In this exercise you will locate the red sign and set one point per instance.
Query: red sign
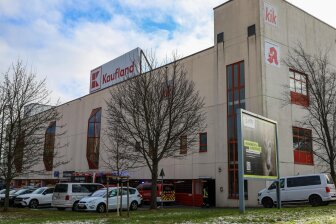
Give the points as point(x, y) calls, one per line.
point(272, 54)
point(95, 79)
point(270, 14)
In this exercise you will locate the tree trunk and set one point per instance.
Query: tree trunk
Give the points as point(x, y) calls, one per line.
point(153, 204)
point(6, 204)
point(332, 170)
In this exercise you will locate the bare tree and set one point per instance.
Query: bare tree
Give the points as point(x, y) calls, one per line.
point(119, 157)
point(25, 116)
point(321, 88)
point(155, 113)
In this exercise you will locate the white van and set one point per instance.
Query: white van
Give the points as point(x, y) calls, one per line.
point(317, 189)
point(67, 195)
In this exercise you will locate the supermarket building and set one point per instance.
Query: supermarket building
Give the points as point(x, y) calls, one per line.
point(244, 69)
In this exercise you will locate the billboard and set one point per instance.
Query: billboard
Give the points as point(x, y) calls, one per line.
point(115, 71)
point(258, 140)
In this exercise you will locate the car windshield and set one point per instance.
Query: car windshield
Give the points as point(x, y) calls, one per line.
point(2, 191)
point(21, 191)
point(39, 191)
point(11, 191)
point(100, 193)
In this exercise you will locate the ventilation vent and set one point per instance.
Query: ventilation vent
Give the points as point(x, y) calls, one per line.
point(220, 37)
point(251, 30)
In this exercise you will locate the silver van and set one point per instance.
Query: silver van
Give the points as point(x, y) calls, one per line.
point(316, 189)
point(67, 195)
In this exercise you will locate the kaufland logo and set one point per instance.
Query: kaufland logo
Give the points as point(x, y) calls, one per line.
point(95, 79)
point(270, 14)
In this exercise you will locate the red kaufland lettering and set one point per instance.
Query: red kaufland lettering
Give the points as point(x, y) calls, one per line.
point(118, 73)
point(270, 16)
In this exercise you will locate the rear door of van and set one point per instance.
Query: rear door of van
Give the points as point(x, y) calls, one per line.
point(331, 185)
point(59, 195)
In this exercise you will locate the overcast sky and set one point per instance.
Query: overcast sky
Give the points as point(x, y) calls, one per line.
point(63, 40)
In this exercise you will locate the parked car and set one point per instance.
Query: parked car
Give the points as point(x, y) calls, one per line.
point(67, 195)
point(97, 201)
point(317, 189)
point(14, 195)
point(40, 197)
point(3, 194)
point(165, 192)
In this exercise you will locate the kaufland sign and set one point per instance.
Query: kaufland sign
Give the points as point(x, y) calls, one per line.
point(115, 71)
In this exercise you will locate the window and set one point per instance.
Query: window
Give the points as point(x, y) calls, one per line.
point(61, 188)
point(303, 181)
point(93, 139)
point(183, 144)
point(49, 145)
point(167, 88)
point(329, 179)
point(298, 88)
point(184, 186)
point(303, 146)
point(49, 191)
point(113, 193)
point(273, 185)
point(131, 191)
point(235, 100)
point(203, 145)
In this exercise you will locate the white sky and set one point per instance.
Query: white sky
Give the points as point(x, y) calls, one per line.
point(63, 40)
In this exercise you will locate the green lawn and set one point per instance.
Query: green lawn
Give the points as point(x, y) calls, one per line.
point(302, 214)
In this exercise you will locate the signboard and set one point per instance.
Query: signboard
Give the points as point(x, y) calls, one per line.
point(257, 151)
point(270, 14)
point(259, 145)
point(67, 174)
point(272, 54)
point(115, 71)
point(56, 173)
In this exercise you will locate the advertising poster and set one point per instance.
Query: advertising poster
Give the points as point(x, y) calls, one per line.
point(259, 141)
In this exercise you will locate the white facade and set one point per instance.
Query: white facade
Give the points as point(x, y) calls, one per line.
point(278, 26)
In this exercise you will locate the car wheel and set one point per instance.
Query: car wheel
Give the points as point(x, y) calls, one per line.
point(75, 206)
point(60, 209)
point(315, 200)
point(134, 205)
point(33, 204)
point(267, 202)
point(101, 208)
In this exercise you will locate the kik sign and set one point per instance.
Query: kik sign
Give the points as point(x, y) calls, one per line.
point(115, 71)
point(272, 54)
point(270, 14)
